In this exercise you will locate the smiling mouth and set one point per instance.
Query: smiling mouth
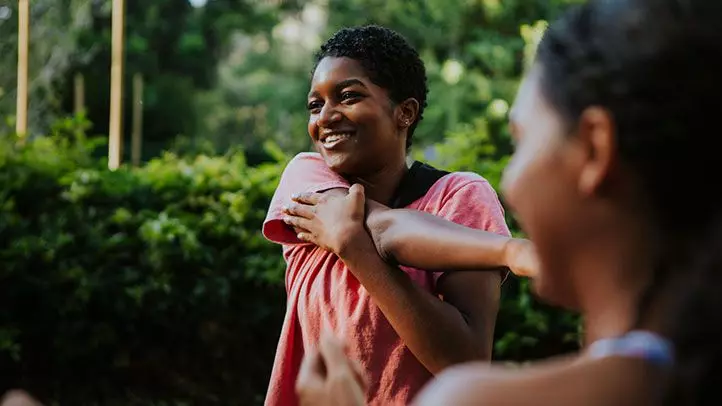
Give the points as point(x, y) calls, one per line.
point(334, 140)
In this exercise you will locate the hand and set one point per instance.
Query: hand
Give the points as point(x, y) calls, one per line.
point(521, 257)
point(329, 220)
point(329, 378)
point(18, 398)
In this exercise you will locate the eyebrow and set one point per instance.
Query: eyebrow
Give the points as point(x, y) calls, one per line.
point(341, 85)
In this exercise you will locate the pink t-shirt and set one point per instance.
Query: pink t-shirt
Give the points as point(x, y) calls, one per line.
point(323, 293)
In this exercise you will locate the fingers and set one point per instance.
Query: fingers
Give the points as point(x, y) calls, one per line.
point(312, 374)
point(513, 256)
point(360, 374)
point(299, 210)
point(356, 192)
point(307, 198)
point(298, 223)
point(345, 377)
point(300, 226)
point(332, 350)
point(342, 369)
point(328, 377)
point(357, 198)
point(529, 262)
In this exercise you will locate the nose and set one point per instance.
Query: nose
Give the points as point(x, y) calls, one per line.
point(328, 116)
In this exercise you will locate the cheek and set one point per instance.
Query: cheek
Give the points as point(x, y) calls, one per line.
point(374, 121)
point(535, 186)
point(312, 127)
point(379, 135)
point(535, 189)
point(518, 180)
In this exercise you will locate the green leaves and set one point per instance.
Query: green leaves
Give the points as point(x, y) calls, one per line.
point(130, 266)
point(9, 343)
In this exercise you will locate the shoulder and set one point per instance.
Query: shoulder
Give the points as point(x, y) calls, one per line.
point(459, 190)
point(308, 171)
point(455, 182)
point(609, 381)
point(465, 198)
point(312, 159)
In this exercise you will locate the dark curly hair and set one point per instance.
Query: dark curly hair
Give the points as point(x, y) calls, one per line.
point(656, 66)
point(388, 59)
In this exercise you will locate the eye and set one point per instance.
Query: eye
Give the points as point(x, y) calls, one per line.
point(350, 96)
point(314, 106)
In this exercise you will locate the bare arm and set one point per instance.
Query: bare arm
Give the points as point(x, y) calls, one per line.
point(425, 241)
point(436, 331)
point(615, 381)
point(467, 315)
point(476, 296)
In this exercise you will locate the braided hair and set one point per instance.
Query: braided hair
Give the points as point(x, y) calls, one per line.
point(656, 67)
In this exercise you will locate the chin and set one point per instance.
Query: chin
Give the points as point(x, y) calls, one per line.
point(341, 163)
point(551, 293)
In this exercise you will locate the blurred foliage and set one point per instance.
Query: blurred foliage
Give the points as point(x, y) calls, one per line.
point(56, 26)
point(155, 283)
point(150, 283)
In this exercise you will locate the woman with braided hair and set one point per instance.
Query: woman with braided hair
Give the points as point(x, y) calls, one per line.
point(618, 111)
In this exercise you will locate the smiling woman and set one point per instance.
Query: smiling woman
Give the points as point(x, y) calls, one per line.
point(352, 121)
point(367, 95)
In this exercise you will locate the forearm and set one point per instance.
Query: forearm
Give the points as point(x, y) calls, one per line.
point(422, 240)
point(434, 331)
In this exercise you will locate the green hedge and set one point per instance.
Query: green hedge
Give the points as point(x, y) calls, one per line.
point(147, 283)
point(154, 285)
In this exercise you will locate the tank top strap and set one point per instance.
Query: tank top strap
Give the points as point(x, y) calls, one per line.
point(637, 344)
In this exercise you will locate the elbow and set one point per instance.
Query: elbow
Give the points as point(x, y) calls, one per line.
point(461, 356)
point(479, 350)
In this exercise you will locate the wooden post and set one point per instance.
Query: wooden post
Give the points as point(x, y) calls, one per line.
point(79, 93)
point(137, 137)
point(21, 124)
point(115, 142)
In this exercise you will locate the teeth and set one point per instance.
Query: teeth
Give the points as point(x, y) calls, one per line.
point(336, 137)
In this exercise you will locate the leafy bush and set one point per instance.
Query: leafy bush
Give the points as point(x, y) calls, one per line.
point(154, 284)
point(144, 283)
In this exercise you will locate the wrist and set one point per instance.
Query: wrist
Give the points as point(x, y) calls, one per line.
point(356, 240)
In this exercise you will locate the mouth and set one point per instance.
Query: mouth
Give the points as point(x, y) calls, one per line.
point(335, 140)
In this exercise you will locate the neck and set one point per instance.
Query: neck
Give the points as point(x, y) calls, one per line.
point(617, 269)
point(381, 185)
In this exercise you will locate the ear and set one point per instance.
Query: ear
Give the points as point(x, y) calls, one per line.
point(597, 133)
point(406, 112)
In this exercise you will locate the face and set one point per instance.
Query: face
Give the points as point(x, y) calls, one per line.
point(540, 184)
point(352, 122)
